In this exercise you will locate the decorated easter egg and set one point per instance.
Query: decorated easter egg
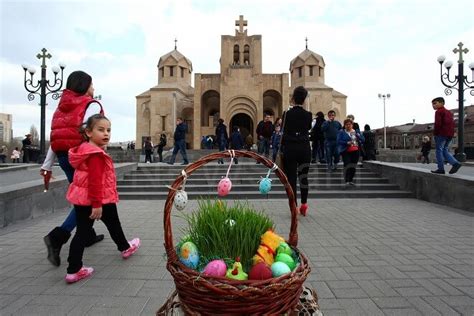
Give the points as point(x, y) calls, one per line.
point(284, 248)
point(265, 185)
point(189, 255)
point(236, 272)
point(283, 257)
point(180, 200)
point(216, 268)
point(224, 186)
point(260, 271)
point(279, 268)
point(230, 222)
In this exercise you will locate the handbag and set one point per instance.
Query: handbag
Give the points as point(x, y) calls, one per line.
point(279, 157)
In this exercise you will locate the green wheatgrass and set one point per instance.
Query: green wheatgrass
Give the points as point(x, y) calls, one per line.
point(226, 232)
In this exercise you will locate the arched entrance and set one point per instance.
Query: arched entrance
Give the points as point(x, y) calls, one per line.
point(244, 122)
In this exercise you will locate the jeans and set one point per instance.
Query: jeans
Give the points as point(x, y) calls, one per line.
point(264, 146)
point(442, 151)
point(70, 222)
point(332, 154)
point(222, 146)
point(317, 150)
point(179, 145)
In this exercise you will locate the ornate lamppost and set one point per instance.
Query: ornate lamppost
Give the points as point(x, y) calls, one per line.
point(384, 96)
point(42, 88)
point(458, 83)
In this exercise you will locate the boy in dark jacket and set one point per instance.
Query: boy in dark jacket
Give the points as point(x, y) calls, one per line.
point(236, 141)
point(179, 142)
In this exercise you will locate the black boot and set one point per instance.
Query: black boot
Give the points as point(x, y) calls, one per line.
point(54, 241)
point(93, 238)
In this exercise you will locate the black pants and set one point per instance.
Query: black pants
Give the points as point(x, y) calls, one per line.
point(160, 153)
point(84, 225)
point(426, 157)
point(148, 153)
point(296, 161)
point(350, 163)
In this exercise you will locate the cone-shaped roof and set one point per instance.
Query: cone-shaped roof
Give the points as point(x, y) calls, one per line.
point(177, 56)
point(305, 55)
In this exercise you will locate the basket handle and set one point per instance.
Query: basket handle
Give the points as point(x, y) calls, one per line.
point(169, 246)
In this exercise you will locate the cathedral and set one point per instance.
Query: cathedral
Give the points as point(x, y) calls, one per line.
point(240, 94)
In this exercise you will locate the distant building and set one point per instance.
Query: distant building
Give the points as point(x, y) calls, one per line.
point(6, 131)
point(410, 135)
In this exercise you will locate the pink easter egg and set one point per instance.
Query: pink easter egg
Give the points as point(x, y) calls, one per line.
point(216, 268)
point(224, 186)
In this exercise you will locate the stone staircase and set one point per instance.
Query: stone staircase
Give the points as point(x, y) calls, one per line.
point(150, 181)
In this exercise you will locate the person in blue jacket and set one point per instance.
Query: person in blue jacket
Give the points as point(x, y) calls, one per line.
point(179, 141)
point(330, 129)
point(349, 142)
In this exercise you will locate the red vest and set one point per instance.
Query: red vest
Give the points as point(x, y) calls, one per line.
point(67, 120)
point(78, 191)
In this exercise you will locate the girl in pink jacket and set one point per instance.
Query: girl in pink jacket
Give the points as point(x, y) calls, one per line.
point(94, 195)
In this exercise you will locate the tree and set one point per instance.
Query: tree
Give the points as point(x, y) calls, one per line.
point(34, 135)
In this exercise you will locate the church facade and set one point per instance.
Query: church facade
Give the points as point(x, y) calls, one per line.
point(240, 94)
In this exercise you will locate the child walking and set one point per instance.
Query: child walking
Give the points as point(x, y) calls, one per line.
point(425, 149)
point(94, 195)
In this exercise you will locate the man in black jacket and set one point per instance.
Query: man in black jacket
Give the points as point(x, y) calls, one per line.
point(179, 142)
point(264, 135)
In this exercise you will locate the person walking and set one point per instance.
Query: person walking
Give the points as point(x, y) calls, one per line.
point(3, 153)
point(26, 142)
point(236, 141)
point(296, 147)
point(369, 143)
point(75, 106)
point(179, 142)
point(161, 145)
point(425, 149)
point(276, 140)
point(222, 138)
point(94, 195)
point(264, 135)
point(349, 142)
point(148, 146)
point(443, 134)
point(317, 139)
point(330, 129)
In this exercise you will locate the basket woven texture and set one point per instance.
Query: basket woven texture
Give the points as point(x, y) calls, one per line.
point(203, 295)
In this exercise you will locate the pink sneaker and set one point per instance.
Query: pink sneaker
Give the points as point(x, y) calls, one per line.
point(83, 273)
point(303, 209)
point(134, 245)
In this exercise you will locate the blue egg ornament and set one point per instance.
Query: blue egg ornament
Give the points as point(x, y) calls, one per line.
point(280, 268)
point(189, 255)
point(265, 185)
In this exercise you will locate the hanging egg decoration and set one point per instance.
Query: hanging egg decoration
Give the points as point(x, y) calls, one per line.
point(265, 185)
point(180, 200)
point(215, 268)
point(189, 255)
point(224, 186)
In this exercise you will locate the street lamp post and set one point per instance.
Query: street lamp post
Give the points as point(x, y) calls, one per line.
point(42, 88)
point(384, 96)
point(458, 83)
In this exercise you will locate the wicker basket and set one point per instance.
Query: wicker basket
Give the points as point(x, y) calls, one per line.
point(203, 295)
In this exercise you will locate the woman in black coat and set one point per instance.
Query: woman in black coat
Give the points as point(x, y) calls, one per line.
point(296, 147)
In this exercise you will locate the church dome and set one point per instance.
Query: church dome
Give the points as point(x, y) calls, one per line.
point(177, 56)
point(307, 57)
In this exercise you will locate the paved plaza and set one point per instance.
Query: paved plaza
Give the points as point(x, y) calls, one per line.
point(368, 257)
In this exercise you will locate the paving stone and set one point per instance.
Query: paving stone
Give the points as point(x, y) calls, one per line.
point(422, 306)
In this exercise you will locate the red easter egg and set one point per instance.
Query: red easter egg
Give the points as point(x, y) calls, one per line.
point(260, 271)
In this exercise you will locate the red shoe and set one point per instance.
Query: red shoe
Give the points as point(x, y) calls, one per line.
point(303, 209)
point(84, 272)
point(134, 245)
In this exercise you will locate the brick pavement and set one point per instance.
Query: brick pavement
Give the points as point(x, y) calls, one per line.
point(368, 257)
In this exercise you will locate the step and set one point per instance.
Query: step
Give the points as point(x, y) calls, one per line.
point(353, 194)
point(249, 181)
point(240, 173)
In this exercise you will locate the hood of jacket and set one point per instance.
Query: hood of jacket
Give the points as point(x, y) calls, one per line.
point(78, 155)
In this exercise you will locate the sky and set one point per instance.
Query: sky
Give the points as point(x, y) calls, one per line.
point(369, 47)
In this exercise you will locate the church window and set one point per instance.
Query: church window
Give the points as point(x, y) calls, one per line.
point(311, 71)
point(247, 55)
point(163, 123)
point(182, 72)
point(300, 72)
point(162, 72)
point(236, 55)
point(320, 71)
point(171, 71)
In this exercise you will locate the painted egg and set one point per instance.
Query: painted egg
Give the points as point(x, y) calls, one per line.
point(279, 268)
point(224, 186)
point(284, 248)
point(265, 185)
point(180, 200)
point(260, 271)
point(288, 260)
point(188, 255)
point(216, 268)
point(230, 222)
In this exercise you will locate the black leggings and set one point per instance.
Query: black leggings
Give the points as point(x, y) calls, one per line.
point(350, 163)
point(296, 161)
point(84, 225)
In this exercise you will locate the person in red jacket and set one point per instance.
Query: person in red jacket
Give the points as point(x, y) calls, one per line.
point(443, 134)
point(94, 195)
point(75, 106)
